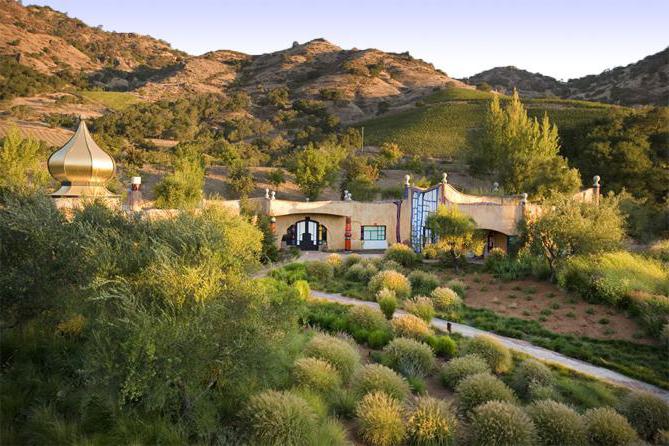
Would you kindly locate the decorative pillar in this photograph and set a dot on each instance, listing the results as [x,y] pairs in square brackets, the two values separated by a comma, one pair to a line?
[523,204]
[407,186]
[347,235]
[596,186]
[135,195]
[444,182]
[398,234]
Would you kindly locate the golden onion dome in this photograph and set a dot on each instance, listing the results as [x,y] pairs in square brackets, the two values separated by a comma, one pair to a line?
[81,166]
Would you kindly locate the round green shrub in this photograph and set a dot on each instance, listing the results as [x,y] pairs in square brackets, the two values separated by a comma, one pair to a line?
[538,392]
[393,281]
[361,272]
[458,286]
[377,377]
[410,326]
[332,433]
[280,418]
[481,388]
[351,259]
[380,420]
[367,318]
[390,265]
[402,254]
[303,289]
[557,424]
[443,345]
[409,357]
[316,374]
[342,402]
[314,400]
[379,338]
[446,300]
[338,352]
[647,413]
[431,422]
[420,306]
[387,302]
[606,427]
[422,282]
[499,423]
[496,355]
[335,261]
[531,372]
[319,271]
[457,369]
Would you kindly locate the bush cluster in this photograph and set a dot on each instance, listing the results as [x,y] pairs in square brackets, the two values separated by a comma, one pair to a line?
[341,354]
[422,283]
[387,302]
[377,377]
[448,302]
[458,369]
[319,271]
[647,413]
[367,318]
[380,420]
[480,388]
[420,306]
[606,427]
[557,424]
[458,286]
[431,422]
[410,326]
[531,373]
[496,355]
[393,281]
[402,254]
[361,272]
[409,357]
[499,423]
[443,346]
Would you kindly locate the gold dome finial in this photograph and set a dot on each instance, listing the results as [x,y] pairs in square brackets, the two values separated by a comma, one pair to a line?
[81,166]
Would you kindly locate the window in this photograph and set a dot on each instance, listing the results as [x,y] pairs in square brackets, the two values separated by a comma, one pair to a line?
[373,232]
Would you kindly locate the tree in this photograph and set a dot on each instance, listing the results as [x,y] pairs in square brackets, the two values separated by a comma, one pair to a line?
[390,153]
[455,230]
[182,189]
[484,86]
[21,170]
[520,152]
[276,178]
[316,167]
[565,227]
[241,179]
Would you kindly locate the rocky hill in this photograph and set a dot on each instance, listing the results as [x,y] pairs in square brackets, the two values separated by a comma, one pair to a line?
[642,82]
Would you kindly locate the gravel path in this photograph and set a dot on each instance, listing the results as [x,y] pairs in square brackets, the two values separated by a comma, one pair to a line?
[523,347]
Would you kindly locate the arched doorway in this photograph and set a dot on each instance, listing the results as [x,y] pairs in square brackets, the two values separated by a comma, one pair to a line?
[307,234]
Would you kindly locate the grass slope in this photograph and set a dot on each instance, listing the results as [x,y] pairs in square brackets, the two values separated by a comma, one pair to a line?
[439,125]
[115,100]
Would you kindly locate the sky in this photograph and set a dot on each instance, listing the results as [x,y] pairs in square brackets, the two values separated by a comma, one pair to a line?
[560,38]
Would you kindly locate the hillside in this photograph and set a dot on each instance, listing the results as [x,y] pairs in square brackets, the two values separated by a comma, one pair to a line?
[642,82]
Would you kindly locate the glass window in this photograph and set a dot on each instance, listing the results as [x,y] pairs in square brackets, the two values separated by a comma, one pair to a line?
[373,232]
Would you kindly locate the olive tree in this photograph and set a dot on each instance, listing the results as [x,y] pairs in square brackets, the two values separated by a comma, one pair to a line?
[455,230]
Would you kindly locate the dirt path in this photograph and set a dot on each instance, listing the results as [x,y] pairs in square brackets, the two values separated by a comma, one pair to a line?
[523,347]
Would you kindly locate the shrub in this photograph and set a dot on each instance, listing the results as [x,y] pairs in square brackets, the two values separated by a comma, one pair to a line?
[393,281]
[660,250]
[557,424]
[446,300]
[377,377]
[498,423]
[318,270]
[480,388]
[361,272]
[647,413]
[379,338]
[402,254]
[458,369]
[458,286]
[332,433]
[335,261]
[538,392]
[420,306]
[606,427]
[531,372]
[367,318]
[303,289]
[409,357]
[431,422]
[423,283]
[342,402]
[410,326]
[280,418]
[338,352]
[442,345]
[351,260]
[496,257]
[496,355]
[387,302]
[380,420]
[390,265]
[316,374]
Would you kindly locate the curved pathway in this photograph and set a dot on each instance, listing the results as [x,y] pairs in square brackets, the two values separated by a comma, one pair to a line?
[523,347]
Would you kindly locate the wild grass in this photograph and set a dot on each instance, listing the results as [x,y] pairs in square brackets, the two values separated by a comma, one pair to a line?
[116,100]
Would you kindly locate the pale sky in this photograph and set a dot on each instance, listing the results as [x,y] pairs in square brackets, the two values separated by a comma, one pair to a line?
[559,38]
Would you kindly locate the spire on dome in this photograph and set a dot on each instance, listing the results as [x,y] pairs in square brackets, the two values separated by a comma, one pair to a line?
[81,166]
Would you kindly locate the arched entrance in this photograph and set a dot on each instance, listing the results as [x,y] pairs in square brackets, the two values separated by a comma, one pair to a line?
[307,234]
